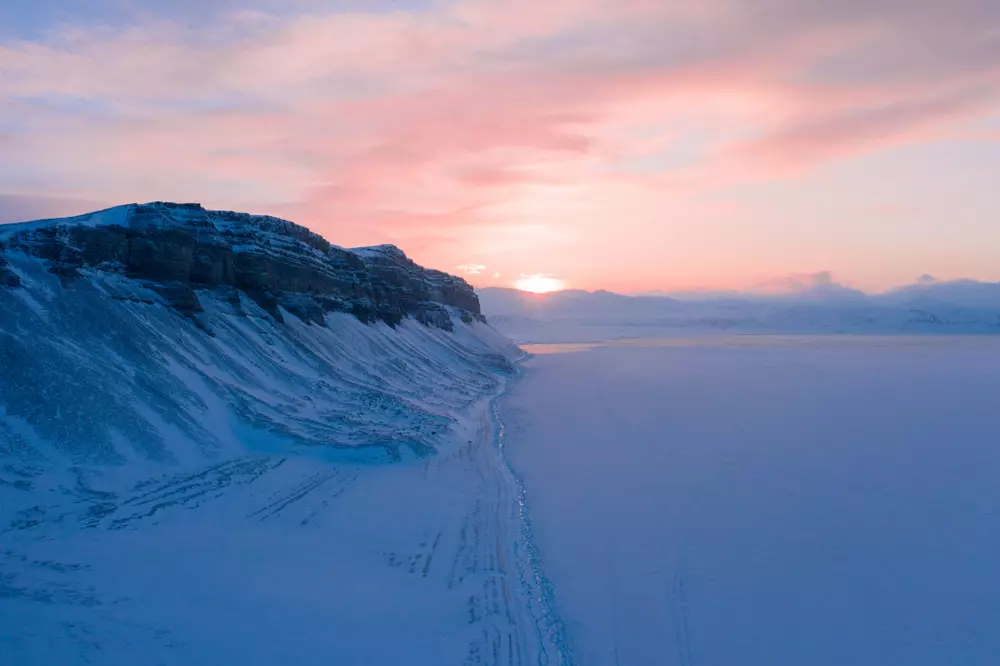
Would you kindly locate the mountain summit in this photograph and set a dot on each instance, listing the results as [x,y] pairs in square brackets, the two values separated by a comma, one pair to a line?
[179,250]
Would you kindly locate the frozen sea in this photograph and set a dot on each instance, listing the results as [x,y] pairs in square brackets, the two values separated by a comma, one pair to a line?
[767,500]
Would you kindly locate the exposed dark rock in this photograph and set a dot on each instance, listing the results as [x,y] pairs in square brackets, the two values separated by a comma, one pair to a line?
[305,307]
[232,298]
[178,249]
[180,296]
[8,278]
[435,315]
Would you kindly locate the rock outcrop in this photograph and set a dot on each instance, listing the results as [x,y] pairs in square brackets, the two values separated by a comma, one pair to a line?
[180,249]
[8,278]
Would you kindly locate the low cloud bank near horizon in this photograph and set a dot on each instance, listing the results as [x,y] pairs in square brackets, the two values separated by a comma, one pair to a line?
[803,304]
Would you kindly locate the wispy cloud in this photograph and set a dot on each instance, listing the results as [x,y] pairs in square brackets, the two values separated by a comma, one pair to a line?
[471,269]
[451,118]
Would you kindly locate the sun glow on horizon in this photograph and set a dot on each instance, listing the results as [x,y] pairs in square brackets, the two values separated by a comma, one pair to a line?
[540,284]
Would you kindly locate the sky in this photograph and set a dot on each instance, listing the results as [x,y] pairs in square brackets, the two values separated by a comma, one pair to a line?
[631,145]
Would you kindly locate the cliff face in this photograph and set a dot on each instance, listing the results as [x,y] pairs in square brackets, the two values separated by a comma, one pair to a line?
[168,331]
[179,250]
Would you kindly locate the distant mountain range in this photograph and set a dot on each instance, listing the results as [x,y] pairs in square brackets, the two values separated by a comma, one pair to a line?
[813,306]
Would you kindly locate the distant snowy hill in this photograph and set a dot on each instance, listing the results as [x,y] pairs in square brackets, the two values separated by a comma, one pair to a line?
[225,440]
[963,307]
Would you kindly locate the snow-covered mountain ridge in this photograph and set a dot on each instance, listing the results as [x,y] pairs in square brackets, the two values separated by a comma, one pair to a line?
[179,249]
[167,330]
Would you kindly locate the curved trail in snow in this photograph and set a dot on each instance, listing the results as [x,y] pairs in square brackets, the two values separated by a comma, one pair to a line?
[453,531]
[536,591]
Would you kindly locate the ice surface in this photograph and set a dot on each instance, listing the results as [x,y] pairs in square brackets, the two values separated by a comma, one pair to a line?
[771,501]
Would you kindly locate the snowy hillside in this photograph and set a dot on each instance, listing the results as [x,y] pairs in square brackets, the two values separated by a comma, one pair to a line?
[224,440]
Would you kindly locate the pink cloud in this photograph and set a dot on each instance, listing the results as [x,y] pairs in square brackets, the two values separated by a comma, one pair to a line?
[446,122]
[820,136]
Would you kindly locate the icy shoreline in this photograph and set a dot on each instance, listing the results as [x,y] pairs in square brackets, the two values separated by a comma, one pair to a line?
[278,556]
[538,593]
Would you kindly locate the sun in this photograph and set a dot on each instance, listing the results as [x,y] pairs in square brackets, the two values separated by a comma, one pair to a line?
[540,284]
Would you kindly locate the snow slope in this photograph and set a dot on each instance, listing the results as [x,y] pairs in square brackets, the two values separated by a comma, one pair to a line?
[240,488]
[117,215]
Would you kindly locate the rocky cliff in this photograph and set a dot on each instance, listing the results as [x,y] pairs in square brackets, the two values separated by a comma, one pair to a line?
[171,331]
[180,250]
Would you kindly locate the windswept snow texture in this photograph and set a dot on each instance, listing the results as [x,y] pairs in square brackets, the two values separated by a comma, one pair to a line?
[237,490]
[767,501]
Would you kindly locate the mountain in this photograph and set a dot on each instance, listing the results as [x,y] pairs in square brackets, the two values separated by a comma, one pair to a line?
[800,306]
[570,302]
[123,328]
[225,440]
[969,294]
[174,249]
